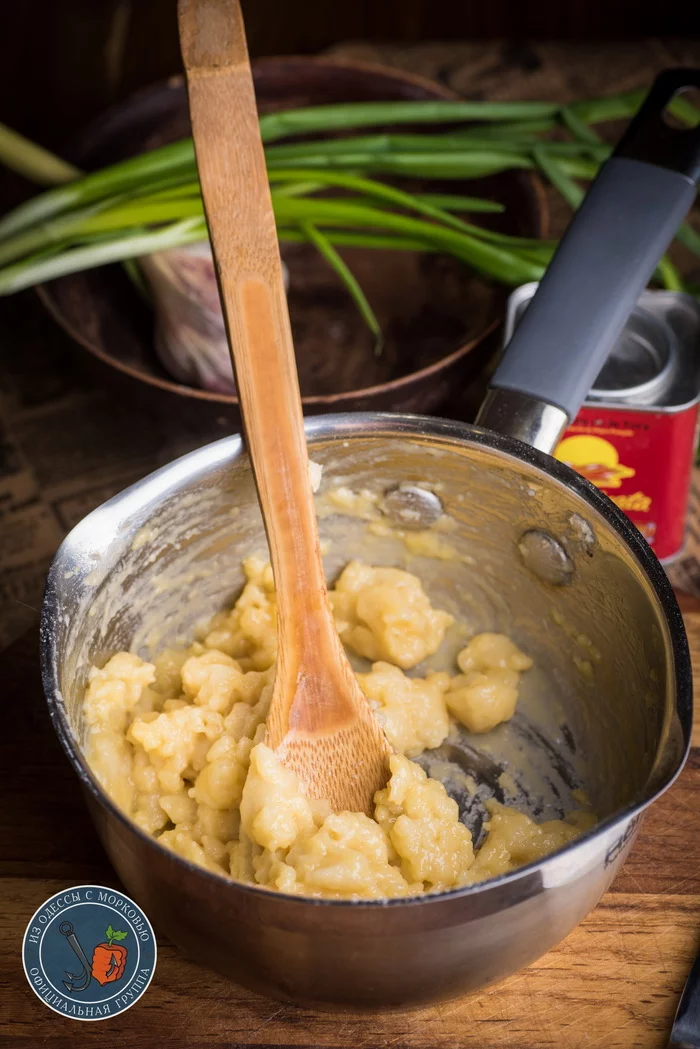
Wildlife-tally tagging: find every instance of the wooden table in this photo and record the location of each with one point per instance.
(614, 983)
(68, 440)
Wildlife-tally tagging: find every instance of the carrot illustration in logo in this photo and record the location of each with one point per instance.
(109, 959)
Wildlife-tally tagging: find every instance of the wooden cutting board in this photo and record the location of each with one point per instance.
(614, 983)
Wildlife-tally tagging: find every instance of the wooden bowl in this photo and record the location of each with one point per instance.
(433, 310)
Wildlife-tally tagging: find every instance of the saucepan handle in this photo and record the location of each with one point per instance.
(603, 263)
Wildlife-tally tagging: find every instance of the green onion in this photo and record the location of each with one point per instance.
(370, 114)
(348, 278)
(32, 161)
(689, 238)
(452, 202)
(424, 145)
(682, 108)
(352, 239)
(558, 176)
(371, 188)
(325, 191)
(577, 167)
(37, 269)
(453, 164)
(490, 259)
(669, 275)
(616, 107)
(296, 189)
(115, 179)
(526, 130)
(600, 110)
(135, 275)
(579, 128)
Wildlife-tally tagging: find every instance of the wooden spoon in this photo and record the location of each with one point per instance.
(320, 724)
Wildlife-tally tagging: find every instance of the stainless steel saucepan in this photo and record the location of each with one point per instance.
(539, 554)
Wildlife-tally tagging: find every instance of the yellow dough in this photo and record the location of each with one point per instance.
(179, 746)
(384, 613)
(487, 691)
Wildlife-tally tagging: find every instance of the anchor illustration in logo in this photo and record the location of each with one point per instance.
(108, 959)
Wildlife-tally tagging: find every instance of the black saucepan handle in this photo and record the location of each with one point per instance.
(603, 263)
(686, 1027)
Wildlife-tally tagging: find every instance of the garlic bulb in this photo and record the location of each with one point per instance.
(190, 337)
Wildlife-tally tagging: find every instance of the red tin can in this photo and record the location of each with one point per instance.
(636, 434)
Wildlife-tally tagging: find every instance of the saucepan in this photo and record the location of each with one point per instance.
(537, 552)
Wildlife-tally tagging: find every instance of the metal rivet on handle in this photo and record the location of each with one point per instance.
(546, 557)
(410, 506)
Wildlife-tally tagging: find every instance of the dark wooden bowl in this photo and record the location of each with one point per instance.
(433, 310)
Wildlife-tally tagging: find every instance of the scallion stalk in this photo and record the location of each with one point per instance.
(669, 275)
(32, 161)
(38, 269)
(337, 117)
(324, 191)
(326, 249)
(579, 128)
(689, 238)
(119, 178)
(558, 176)
(454, 202)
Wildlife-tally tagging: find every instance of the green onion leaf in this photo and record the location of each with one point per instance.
(348, 278)
(669, 276)
(553, 170)
(616, 107)
(579, 128)
(452, 202)
(38, 269)
(129, 174)
(689, 238)
(371, 114)
(32, 161)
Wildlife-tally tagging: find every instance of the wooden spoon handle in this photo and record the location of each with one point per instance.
(238, 207)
